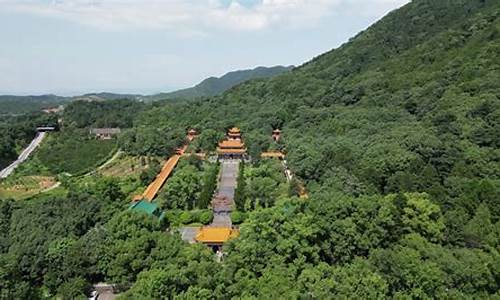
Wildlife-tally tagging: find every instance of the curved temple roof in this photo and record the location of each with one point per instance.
(216, 235)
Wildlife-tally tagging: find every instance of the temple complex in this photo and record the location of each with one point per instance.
(232, 146)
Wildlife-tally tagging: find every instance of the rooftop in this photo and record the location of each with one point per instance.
(144, 206)
(137, 198)
(273, 154)
(231, 151)
(216, 234)
(105, 130)
(231, 144)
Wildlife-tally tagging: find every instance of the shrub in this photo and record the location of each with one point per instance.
(173, 217)
(238, 217)
(186, 217)
(206, 217)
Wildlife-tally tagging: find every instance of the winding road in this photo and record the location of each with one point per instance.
(24, 155)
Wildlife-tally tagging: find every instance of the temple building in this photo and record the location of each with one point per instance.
(105, 133)
(276, 135)
(192, 134)
(234, 134)
(232, 147)
(215, 237)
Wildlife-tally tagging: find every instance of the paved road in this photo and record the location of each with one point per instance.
(24, 155)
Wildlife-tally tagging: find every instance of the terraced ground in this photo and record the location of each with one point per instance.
(24, 187)
(124, 166)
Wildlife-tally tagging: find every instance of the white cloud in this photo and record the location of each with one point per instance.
(193, 16)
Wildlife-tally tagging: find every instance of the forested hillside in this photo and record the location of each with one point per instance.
(17, 105)
(214, 86)
(396, 135)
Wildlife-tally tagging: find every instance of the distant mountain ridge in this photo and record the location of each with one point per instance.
(217, 85)
(14, 105)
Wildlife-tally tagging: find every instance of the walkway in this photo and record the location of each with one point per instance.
(24, 155)
(155, 186)
(223, 202)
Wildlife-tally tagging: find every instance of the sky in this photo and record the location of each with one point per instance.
(71, 47)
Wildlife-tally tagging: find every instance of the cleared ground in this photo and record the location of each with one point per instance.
(124, 166)
(25, 187)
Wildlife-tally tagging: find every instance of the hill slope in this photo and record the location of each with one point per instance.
(416, 77)
(396, 135)
(405, 114)
(214, 86)
(15, 105)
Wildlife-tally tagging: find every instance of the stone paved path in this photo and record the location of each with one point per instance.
(224, 200)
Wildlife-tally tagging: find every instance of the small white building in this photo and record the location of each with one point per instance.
(105, 133)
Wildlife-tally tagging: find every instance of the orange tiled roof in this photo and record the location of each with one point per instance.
(216, 234)
(231, 144)
(234, 130)
(274, 154)
(137, 198)
(229, 151)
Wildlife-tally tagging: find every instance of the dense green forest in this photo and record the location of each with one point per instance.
(396, 135)
(109, 113)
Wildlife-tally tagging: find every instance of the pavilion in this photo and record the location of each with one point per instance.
(232, 146)
(276, 135)
(215, 237)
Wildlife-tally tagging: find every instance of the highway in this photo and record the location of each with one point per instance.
(24, 155)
